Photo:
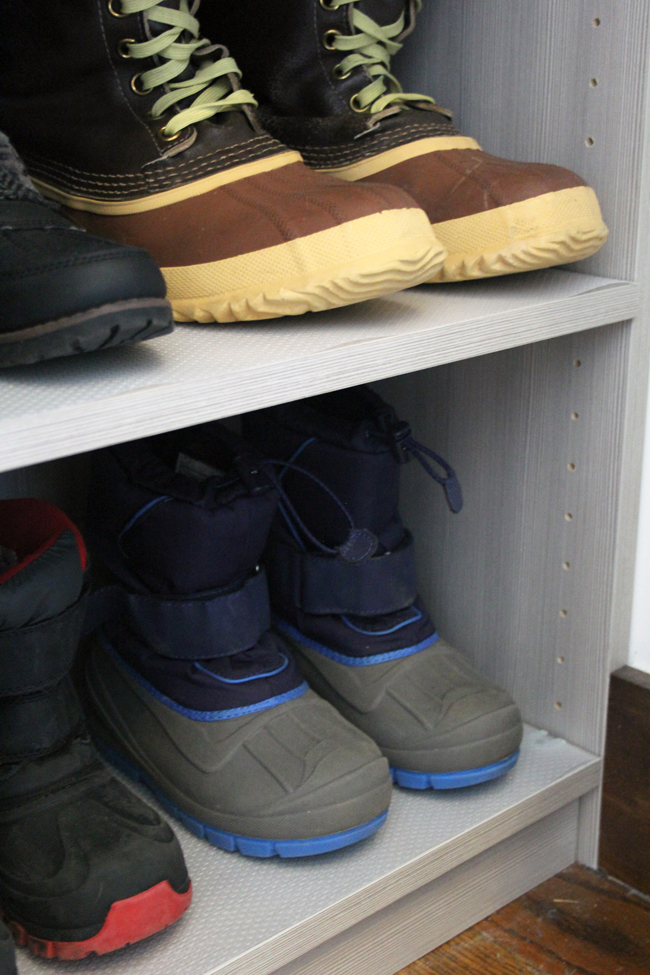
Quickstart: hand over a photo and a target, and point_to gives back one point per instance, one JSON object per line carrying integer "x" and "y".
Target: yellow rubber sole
{"x": 554, "y": 228}
{"x": 365, "y": 258}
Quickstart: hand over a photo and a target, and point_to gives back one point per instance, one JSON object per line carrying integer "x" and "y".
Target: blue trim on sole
{"x": 453, "y": 780}
{"x": 340, "y": 658}
{"x": 231, "y": 842}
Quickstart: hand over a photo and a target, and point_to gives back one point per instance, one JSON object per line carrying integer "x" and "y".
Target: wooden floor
{"x": 578, "y": 923}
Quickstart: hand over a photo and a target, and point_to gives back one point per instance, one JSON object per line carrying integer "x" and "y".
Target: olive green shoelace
{"x": 372, "y": 47}
{"x": 214, "y": 83}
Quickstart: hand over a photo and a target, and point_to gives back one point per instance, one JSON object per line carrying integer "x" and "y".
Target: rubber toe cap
{"x": 430, "y": 711}
{"x": 293, "y": 771}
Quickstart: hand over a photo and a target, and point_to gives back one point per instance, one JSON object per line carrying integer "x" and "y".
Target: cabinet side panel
{"x": 522, "y": 578}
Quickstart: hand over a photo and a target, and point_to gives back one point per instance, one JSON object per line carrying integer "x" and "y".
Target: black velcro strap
{"x": 36, "y": 724}
{"x": 32, "y": 657}
{"x": 323, "y": 584}
{"x": 196, "y": 628}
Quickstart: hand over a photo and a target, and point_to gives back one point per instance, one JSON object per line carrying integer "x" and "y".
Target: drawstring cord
{"x": 361, "y": 543}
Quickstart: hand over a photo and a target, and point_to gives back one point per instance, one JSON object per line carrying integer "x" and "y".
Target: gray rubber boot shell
{"x": 294, "y": 771}
{"x": 429, "y": 712}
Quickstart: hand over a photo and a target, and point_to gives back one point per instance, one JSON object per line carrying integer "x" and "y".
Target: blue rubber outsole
{"x": 247, "y": 845}
{"x": 453, "y": 780}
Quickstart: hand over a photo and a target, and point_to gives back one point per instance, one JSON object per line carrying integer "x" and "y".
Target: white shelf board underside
{"x": 203, "y": 372}
{"x": 249, "y": 917}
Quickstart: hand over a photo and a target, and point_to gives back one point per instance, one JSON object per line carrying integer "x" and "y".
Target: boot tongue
{"x": 47, "y": 560}
{"x": 383, "y": 12}
{"x": 155, "y": 29}
{"x": 201, "y": 57}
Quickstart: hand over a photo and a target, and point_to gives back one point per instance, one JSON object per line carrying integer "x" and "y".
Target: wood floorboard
{"x": 580, "y": 922}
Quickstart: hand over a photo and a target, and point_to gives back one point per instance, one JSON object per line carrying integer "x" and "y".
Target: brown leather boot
{"x": 142, "y": 131}
{"x": 321, "y": 72}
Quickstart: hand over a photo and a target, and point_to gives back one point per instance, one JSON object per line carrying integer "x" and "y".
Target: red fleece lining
{"x": 30, "y": 526}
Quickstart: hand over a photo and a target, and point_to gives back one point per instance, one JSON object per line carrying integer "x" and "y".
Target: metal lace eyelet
{"x": 328, "y": 4}
{"x": 167, "y": 138}
{"x": 329, "y": 38}
{"x": 134, "y": 86}
{"x": 339, "y": 74}
{"x": 122, "y": 47}
{"x": 112, "y": 9}
{"x": 354, "y": 105}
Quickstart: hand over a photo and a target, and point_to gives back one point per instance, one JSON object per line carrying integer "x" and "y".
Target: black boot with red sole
{"x": 85, "y": 866}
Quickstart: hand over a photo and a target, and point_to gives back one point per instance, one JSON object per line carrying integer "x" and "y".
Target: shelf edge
{"x": 268, "y": 956}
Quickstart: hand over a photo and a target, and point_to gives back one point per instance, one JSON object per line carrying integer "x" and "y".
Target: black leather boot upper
{"x": 72, "y": 102}
{"x": 287, "y": 56}
{"x": 50, "y": 269}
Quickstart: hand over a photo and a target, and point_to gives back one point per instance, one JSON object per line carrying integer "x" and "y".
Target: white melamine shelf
{"x": 250, "y": 917}
{"x": 203, "y": 372}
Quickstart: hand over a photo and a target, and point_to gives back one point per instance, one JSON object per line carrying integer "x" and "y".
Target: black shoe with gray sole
{"x": 62, "y": 290}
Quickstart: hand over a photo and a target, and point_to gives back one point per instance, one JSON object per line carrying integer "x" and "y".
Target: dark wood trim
{"x": 625, "y": 829}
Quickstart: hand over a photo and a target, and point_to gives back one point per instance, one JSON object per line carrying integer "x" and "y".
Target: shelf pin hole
{"x": 589, "y": 141}
{"x": 574, "y": 416}
{"x": 558, "y": 705}
{"x": 566, "y": 566}
{"x": 593, "y": 83}
{"x": 577, "y": 363}
{"x": 595, "y": 22}
{"x": 571, "y": 467}
{"x": 568, "y": 516}
{"x": 563, "y": 614}
{"x": 560, "y": 659}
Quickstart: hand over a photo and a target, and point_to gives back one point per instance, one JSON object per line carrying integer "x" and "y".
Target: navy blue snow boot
{"x": 189, "y": 690}
{"x": 360, "y": 632}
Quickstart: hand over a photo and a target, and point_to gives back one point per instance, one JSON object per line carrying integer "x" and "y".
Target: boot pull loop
{"x": 360, "y": 543}
{"x": 397, "y": 432}
{"x": 450, "y": 484}
{"x": 403, "y": 444}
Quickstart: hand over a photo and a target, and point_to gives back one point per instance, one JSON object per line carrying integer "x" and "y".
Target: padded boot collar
{"x": 164, "y": 532}
{"x": 47, "y": 576}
